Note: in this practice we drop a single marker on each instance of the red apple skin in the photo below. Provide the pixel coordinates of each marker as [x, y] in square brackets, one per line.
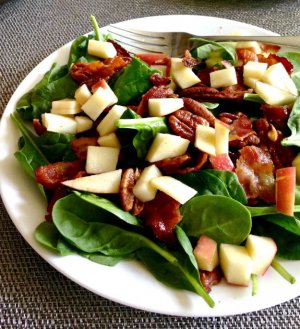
[221, 162]
[285, 190]
[206, 253]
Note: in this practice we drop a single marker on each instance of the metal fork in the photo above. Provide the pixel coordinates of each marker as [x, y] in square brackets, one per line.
[174, 43]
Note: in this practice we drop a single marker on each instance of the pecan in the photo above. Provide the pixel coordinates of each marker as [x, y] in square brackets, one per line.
[127, 198]
[188, 60]
[199, 109]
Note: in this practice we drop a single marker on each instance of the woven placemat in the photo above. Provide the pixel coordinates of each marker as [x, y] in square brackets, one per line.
[32, 293]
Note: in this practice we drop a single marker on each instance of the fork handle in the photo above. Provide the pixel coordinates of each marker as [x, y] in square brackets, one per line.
[291, 41]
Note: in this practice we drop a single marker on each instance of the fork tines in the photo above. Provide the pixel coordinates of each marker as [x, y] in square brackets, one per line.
[136, 41]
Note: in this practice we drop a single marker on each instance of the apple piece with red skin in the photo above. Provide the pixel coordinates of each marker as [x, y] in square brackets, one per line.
[221, 137]
[206, 253]
[285, 190]
[221, 162]
[262, 250]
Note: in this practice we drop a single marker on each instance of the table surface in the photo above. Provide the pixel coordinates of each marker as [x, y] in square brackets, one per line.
[32, 293]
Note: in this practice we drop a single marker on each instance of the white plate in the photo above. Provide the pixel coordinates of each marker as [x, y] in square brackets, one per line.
[129, 283]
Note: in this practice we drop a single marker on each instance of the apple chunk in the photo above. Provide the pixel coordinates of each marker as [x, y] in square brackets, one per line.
[254, 70]
[205, 139]
[183, 76]
[206, 253]
[262, 250]
[59, 123]
[166, 146]
[102, 49]
[236, 264]
[174, 188]
[223, 78]
[65, 107]
[221, 137]
[107, 125]
[159, 107]
[108, 182]
[101, 159]
[143, 189]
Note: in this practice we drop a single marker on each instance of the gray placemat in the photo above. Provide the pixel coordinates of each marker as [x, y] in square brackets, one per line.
[32, 293]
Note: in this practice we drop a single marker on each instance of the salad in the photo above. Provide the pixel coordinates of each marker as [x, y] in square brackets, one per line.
[188, 165]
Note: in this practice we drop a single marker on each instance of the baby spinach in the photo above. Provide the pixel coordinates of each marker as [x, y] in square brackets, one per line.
[132, 82]
[206, 47]
[221, 218]
[56, 84]
[294, 125]
[147, 128]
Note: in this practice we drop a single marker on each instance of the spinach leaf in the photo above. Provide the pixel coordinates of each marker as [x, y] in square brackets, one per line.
[253, 98]
[132, 82]
[294, 124]
[232, 184]
[147, 128]
[29, 155]
[289, 223]
[221, 218]
[288, 243]
[56, 84]
[206, 47]
[48, 235]
[110, 207]
[56, 146]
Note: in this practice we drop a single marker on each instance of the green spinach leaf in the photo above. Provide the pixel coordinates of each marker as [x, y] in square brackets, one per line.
[294, 124]
[221, 218]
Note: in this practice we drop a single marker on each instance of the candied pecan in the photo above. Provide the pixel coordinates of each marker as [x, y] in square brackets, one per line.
[188, 60]
[246, 54]
[154, 92]
[173, 163]
[210, 278]
[128, 201]
[183, 123]
[199, 109]
[159, 80]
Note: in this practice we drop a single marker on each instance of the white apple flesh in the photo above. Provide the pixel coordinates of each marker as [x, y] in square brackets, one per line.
[206, 253]
[221, 137]
[59, 123]
[223, 78]
[101, 159]
[110, 140]
[254, 70]
[82, 94]
[83, 123]
[107, 125]
[65, 107]
[205, 139]
[102, 49]
[106, 183]
[183, 76]
[159, 107]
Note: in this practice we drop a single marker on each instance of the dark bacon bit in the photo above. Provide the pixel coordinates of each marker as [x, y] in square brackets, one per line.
[211, 278]
[51, 175]
[80, 145]
[91, 73]
[59, 192]
[38, 127]
[204, 75]
[188, 60]
[273, 59]
[121, 52]
[162, 215]
[246, 55]
[255, 170]
[159, 80]
[154, 92]
[269, 48]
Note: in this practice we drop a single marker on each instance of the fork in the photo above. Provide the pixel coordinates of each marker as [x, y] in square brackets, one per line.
[174, 43]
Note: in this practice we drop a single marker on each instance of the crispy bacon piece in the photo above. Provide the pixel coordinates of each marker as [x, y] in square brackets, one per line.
[91, 73]
[211, 278]
[162, 215]
[121, 52]
[273, 59]
[80, 145]
[255, 170]
[51, 175]
[38, 127]
[59, 192]
[159, 80]
[277, 115]
[154, 92]
[269, 48]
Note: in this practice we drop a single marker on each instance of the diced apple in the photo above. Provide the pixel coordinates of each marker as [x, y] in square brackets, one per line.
[205, 139]
[296, 164]
[272, 95]
[206, 253]
[65, 107]
[159, 107]
[166, 146]
[221, 137]
[221, 162]
[249, 44]
[101, 159]
[277, 76]
[250, 82]
[83, 123]
[143, 189]
[107, 125]
[236, 264]
[100, 100]
[59, 123]
[223, 78]
[82, 94]
[262, 250]
[254, 70]
[285, 187]
[110, 140]
[183, 76]
[174, 188]
[102, 49]
[108, 182]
